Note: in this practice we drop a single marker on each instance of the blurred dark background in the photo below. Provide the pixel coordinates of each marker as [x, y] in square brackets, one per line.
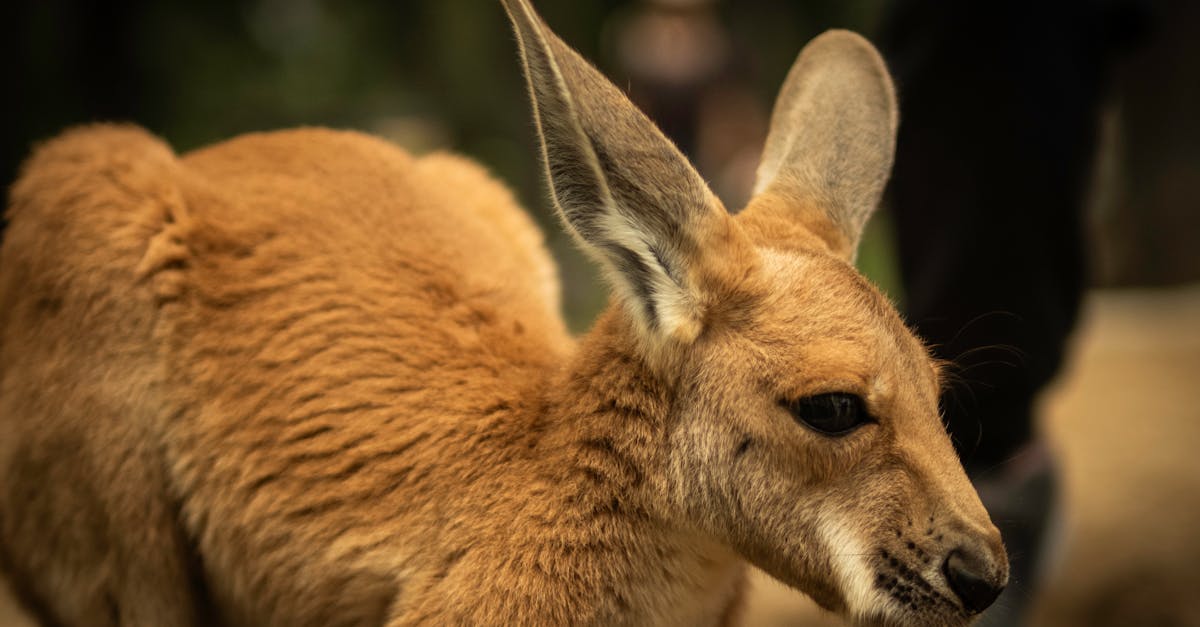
[444, 74]
[1055, 140]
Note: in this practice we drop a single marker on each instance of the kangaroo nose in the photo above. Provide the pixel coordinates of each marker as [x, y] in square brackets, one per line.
[970, 577]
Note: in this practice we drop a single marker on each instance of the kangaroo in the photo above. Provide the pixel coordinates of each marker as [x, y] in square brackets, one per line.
[304, 378]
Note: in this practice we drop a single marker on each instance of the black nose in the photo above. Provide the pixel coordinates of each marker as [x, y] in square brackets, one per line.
[969, 579]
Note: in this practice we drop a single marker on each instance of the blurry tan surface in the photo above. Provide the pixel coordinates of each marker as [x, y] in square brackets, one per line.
[10, 615]
[1125, 418]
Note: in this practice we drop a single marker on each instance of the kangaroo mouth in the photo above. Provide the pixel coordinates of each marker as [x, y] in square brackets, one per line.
[907, 587]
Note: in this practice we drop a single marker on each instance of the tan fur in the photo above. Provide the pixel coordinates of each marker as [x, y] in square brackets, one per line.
[303, 378]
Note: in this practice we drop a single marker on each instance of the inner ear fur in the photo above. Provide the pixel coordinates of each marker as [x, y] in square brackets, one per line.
[830, 148]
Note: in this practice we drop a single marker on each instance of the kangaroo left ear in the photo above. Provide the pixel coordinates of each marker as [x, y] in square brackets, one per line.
[831, 144]
[626, 192]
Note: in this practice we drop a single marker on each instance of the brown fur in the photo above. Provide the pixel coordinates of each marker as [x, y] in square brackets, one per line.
[303, 378]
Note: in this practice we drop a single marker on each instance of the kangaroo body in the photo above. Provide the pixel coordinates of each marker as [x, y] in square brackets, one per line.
[299, 366]
[304, 378]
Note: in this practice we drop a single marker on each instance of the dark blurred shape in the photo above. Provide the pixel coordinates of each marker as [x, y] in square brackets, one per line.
[68, 61]
[1001, 106]
[1145, 216]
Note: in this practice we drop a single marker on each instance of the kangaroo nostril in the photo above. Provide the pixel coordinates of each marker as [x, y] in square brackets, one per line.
[969, 579]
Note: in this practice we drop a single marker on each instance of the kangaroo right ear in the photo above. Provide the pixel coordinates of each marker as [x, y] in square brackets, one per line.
[627, 194]
[832, 141]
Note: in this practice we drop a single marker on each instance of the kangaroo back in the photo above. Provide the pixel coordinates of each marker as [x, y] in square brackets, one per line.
[161, 305]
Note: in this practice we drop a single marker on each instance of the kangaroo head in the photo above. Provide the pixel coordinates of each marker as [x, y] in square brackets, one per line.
[804, 430]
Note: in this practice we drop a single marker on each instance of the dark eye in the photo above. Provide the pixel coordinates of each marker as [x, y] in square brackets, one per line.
[832, 414]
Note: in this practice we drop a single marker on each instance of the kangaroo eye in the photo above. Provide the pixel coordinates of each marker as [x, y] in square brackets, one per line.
[833, 414]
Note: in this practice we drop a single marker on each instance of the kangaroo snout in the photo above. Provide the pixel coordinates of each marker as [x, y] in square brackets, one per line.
[976, 574]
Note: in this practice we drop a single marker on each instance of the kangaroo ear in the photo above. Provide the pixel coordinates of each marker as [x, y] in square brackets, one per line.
[624, 190]
[832, 140]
